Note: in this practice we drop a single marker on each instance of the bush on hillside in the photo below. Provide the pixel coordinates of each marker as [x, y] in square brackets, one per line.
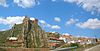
[1, 49]
[74, 45]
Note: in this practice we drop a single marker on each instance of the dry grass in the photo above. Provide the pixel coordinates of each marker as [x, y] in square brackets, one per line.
[27, 49]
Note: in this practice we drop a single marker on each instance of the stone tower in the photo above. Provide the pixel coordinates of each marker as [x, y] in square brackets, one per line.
[33, 35]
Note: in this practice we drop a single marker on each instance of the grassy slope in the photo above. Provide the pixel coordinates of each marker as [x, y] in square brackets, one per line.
[7, 33]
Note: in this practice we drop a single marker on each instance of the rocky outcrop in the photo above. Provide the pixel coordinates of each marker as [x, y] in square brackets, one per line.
[32, 34]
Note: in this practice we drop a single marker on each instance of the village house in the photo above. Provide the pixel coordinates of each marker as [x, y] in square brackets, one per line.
[54, 40]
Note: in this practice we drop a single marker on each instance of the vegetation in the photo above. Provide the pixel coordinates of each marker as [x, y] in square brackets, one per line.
[74, 44]
[70, 45]
[8, 33]
[17, 29]
[4, 35]
[1, 49]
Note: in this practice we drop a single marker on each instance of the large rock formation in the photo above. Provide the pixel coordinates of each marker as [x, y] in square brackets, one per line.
[32, 35]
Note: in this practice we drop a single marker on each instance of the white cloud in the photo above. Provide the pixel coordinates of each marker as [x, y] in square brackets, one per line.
[42, 22]
[57, 19]
[2, 21]
[32, 18]
[66, 34]
[55, 27]
[26, 3]
[89, 5]
[3, 3]
[90, 23]
[71, 1]
[11, 20]
[48, 25]
[45, 24]
[71, 21]
[53, 0]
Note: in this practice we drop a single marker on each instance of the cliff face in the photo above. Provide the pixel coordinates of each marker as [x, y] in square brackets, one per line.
[33, 35]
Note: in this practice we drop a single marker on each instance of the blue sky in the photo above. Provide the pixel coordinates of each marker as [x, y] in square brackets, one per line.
[75, 17]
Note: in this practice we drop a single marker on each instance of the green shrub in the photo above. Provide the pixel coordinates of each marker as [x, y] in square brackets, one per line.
[1, 49]
[74, 44]
[65, 45]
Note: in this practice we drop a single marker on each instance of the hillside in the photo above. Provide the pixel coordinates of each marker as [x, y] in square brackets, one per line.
[29, 34]
[7, 33]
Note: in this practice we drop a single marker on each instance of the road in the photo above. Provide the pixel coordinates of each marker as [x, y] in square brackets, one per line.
[63, 50]
[95, 48]
[66, 49]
